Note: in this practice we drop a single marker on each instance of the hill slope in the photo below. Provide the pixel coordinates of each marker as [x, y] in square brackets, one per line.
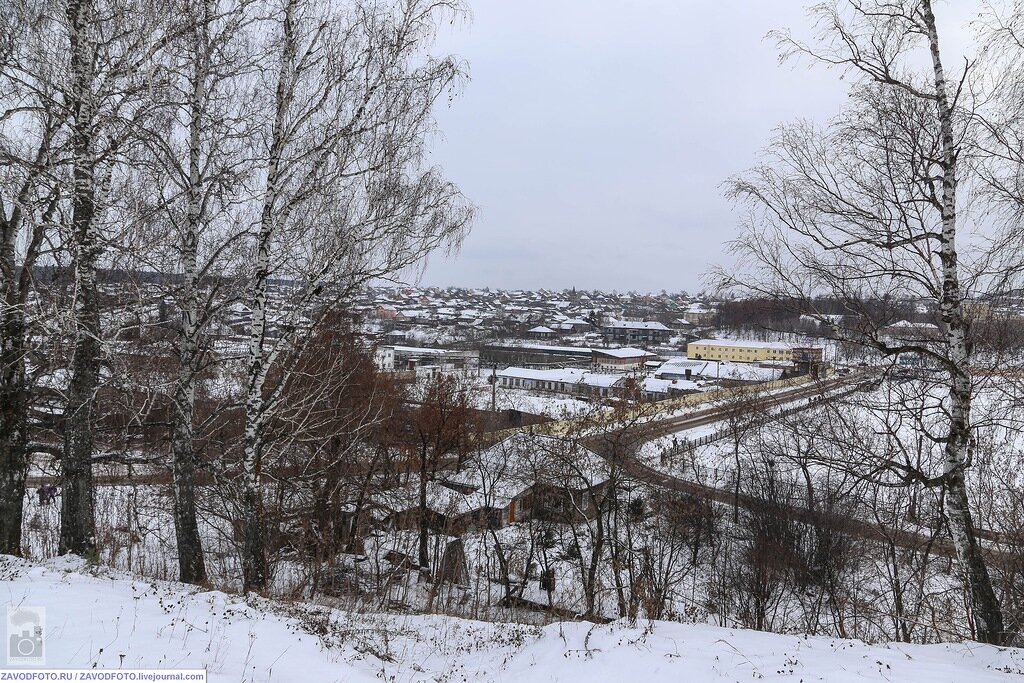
[110, 619]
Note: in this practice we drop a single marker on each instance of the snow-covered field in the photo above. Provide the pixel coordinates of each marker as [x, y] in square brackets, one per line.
[535, 403]
[540, 404]
[106, 619]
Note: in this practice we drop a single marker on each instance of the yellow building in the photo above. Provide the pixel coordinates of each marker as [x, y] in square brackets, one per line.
[739, 351]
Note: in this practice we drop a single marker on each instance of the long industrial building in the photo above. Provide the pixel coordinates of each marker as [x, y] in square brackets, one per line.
[739, 351]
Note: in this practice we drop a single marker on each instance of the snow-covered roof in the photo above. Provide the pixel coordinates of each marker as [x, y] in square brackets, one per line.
[656, 385]
[663, 386]
[441, 499]
[683, 364]
[563, 375]
[420, 350]
[748, 372]
[832, 318]
[597, 379]
[541, 329]
[625, 352]
[717, 369]
[571, 375]
[745, 343]
[906, 324]
[543, 347]
[424, 352]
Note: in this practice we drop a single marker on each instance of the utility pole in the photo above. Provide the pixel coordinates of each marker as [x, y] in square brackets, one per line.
[494, 388]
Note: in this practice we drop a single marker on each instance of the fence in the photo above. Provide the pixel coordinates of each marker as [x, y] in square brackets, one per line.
[685, 444]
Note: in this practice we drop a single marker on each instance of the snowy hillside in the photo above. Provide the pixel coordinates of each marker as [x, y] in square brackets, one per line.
[106, 619]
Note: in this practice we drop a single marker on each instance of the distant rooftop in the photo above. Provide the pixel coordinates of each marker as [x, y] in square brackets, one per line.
[625, 352]
[746, 343]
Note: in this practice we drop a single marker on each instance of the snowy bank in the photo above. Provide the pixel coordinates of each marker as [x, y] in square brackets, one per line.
[106, 619]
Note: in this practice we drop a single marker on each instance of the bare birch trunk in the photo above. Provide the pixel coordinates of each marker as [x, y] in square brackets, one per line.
[254, 557]
[77, 530]
[191, 567]
[988, 620]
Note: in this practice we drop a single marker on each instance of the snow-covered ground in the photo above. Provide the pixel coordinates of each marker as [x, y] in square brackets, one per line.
[533, 402]
[106, 619]
[541, 404]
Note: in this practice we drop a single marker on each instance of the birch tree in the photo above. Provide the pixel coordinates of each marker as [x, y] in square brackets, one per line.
[82, 103]
[874, 206]
[198, 159]
[29, 193]
[343, 195]
[104, 65]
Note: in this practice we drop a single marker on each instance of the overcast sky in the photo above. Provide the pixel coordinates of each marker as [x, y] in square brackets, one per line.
[594, 135]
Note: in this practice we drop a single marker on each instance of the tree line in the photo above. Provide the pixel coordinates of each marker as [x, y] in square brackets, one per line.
[235, 145]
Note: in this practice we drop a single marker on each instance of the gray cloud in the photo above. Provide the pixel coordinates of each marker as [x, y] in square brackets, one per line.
[594, 134]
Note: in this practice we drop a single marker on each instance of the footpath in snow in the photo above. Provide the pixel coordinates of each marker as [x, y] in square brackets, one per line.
[108, 620]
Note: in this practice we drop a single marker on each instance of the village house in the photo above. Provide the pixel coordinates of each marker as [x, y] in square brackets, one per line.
[700, 315]
[631, 332]
[525, 476]
[621, 360]
[541, 332]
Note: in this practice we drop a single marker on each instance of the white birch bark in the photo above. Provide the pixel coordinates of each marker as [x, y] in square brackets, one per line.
[78, 528]
[254, 561]
[987, 615]
[343, 198]
[191, 566]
